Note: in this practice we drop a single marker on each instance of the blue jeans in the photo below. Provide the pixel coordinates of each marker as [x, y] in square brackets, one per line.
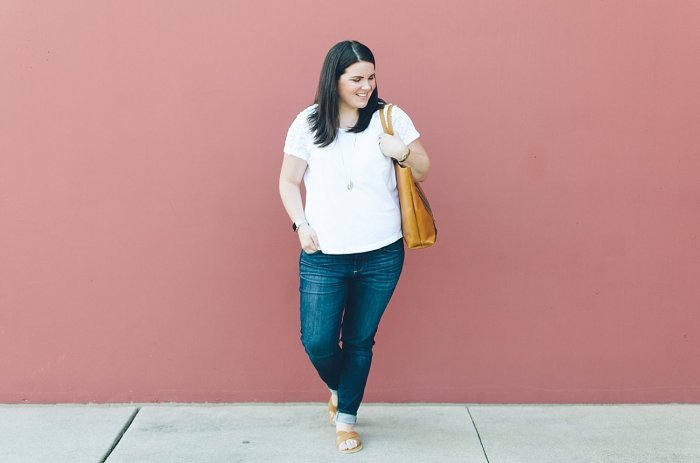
[343, 297]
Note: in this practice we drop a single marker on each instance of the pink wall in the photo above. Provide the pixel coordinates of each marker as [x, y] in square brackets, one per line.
[145, 254]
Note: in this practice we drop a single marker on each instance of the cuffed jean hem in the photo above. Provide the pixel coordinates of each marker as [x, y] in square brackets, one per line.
[345, 418]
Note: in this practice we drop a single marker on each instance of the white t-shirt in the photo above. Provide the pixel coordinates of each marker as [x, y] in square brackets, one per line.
[366, 216]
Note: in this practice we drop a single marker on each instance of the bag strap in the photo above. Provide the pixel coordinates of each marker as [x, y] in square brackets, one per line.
[385, 113]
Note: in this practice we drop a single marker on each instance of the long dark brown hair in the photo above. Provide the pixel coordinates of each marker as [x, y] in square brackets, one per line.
[324, 119]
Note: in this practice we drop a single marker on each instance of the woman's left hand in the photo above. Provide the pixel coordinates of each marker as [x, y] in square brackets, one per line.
[392, 146]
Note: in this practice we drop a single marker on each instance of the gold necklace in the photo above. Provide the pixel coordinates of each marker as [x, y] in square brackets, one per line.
[347, 173]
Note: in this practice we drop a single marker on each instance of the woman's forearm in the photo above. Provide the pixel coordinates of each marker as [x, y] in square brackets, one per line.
[291, 199]
[419, 164]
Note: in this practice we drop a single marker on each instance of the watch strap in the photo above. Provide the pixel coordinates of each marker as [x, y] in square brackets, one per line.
[295, 226]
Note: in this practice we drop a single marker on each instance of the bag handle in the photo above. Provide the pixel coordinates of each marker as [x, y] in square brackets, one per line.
[387, 124]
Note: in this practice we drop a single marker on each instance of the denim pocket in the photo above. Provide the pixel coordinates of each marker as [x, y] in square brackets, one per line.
[309, 253]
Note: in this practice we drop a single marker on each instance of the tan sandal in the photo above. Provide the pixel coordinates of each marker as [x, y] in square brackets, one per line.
[344, 436]
[332, 411]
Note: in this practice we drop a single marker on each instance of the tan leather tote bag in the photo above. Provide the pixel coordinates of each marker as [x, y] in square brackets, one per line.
[417, 221]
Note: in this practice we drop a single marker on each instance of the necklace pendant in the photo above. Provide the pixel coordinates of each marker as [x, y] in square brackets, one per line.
[349, 186]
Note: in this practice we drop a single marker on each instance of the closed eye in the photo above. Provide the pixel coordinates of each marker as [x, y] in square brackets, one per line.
[357, 79]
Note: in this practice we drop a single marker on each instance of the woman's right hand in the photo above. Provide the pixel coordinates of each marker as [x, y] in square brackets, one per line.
[308, 239]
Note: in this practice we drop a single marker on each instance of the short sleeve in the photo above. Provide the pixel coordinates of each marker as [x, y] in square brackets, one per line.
[403, 126]
[297, 142]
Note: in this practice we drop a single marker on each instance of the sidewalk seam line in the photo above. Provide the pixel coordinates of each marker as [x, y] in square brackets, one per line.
[121, 434]
[478, 435]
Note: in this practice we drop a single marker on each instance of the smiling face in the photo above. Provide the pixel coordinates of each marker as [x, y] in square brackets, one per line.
[355, 86]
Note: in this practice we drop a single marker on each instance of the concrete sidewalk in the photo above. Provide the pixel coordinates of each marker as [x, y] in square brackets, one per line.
[445, 433]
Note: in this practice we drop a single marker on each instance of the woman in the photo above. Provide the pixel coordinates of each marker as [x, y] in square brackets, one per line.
[350, 230]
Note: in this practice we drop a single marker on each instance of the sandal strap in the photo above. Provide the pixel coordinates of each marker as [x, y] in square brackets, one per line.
[346, 435]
